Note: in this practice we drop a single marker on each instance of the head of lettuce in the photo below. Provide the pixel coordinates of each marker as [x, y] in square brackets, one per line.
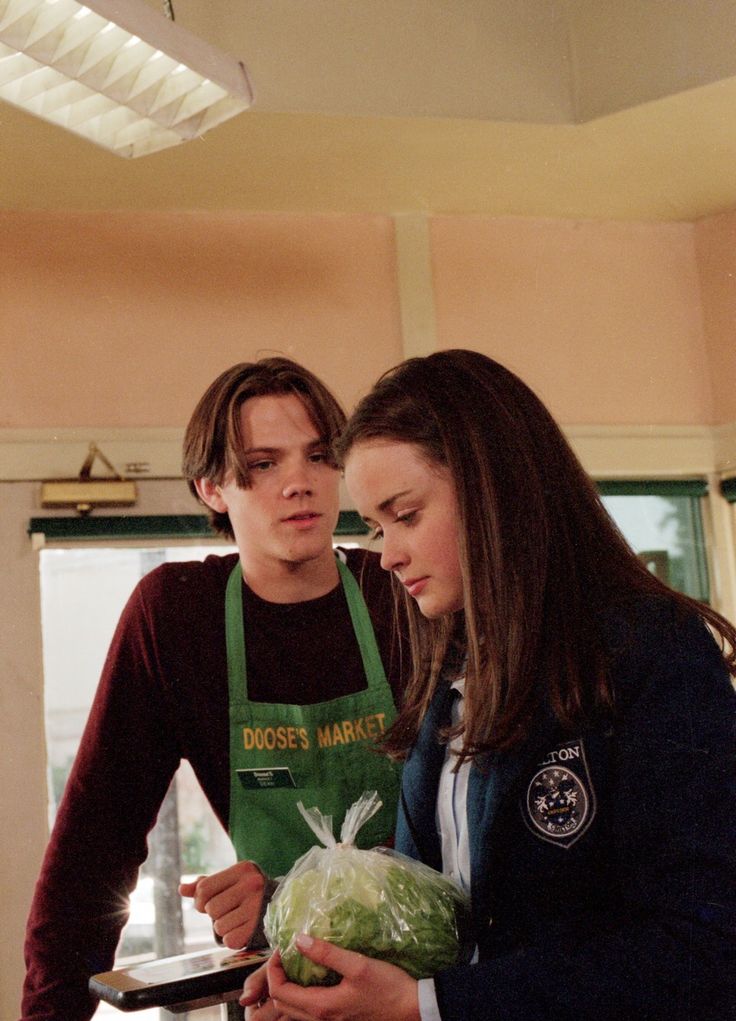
[378, 903]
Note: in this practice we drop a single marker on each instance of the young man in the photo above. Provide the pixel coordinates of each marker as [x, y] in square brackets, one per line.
[266, 659]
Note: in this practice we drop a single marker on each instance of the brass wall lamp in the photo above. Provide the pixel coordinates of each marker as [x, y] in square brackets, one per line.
[85, 492]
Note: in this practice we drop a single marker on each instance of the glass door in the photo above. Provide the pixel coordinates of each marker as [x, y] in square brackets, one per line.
[83, 591]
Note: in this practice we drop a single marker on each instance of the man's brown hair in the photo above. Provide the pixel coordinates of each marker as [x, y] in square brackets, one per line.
[213, 442]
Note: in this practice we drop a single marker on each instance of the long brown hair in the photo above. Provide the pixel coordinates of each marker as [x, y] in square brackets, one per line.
[213, 441]
[541, 559]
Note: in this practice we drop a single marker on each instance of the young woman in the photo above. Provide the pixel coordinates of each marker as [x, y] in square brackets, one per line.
[568, 731]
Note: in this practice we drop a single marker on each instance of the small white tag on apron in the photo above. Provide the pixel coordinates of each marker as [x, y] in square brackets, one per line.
[266, 778]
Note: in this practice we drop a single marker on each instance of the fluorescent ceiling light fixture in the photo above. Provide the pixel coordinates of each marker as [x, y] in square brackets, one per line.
[116, 72]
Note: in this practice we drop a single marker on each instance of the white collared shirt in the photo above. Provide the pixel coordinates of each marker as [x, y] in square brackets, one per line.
[452, 800]
[452, 826]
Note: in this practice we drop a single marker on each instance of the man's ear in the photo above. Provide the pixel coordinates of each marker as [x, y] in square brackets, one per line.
[211, 494]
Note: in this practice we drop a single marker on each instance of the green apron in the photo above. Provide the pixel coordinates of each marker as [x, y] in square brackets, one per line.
[321, 755]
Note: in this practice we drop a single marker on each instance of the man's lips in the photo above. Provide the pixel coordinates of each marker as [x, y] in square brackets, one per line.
[302, 518]
[414, 586]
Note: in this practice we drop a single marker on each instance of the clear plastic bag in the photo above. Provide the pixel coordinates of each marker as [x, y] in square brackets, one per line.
[379, 903]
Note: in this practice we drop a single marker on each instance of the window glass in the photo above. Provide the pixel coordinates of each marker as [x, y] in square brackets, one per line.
[83, 592]
[667, 533]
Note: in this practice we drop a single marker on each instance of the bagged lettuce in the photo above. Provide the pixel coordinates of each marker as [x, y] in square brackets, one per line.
[379, 903]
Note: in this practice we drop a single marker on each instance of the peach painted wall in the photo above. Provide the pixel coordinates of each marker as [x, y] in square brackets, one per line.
[602, 319]
[119, 319]
[715, 247]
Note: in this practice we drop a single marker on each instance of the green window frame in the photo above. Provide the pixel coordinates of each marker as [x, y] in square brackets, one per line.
[688, 573]
[153, 526]
[728, 490]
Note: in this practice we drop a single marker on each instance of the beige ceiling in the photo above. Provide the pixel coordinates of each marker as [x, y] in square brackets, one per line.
[572, 108]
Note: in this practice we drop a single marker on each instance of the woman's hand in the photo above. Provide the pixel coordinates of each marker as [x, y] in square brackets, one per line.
[255, 999]
[370, 990]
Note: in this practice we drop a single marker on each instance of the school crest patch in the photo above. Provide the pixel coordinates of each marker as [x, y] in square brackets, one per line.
[560, 801]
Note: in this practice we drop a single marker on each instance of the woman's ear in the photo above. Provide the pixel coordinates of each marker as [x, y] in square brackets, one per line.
[211, 494]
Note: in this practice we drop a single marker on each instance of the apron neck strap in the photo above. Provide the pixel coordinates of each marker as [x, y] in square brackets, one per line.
[235, 634]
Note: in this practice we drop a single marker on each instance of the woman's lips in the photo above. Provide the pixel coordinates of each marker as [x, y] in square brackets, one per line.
[414, 586]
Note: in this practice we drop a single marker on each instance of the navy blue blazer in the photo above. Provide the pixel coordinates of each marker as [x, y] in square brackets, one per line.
[603, 863]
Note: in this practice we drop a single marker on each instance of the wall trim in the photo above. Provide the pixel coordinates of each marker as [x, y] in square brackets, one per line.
[141, 453]
[606, 451]
[660, 451]
[724, 437]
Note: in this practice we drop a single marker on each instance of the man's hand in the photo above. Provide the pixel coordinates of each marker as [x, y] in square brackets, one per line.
[370, 990]
[232, 898]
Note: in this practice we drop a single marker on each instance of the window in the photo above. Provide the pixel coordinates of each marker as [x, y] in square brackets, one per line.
[662, 522]
[83, 592]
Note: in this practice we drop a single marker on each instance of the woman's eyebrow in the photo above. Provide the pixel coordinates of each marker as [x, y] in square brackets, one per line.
[385, 505]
